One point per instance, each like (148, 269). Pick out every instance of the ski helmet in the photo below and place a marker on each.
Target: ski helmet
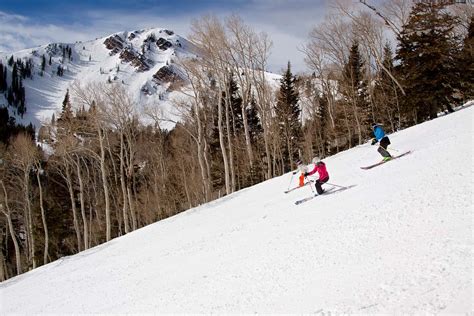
(316, 159)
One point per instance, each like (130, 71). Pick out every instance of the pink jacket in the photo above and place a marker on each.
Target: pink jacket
(320, 168)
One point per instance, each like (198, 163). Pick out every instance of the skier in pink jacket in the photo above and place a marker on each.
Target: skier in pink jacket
(320, 168)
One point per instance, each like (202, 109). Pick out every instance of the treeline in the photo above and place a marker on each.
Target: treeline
(359, 79)
(12, 86)
(100, 173)
(15, 92)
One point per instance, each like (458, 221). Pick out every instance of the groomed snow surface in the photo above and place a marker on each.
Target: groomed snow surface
(399, 241)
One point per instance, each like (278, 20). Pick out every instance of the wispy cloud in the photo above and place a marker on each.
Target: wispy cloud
(20, 32)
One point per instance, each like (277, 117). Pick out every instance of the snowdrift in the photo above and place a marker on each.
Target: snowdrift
(399, 240)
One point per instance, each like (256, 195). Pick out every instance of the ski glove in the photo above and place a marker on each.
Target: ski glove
(374, 141)
(306, 174)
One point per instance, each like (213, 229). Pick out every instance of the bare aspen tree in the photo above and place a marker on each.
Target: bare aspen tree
(264, 92)
(119, 113)
(43, 212)
(3, 266)
(395, 13)
(210, 36)
(229, 136)
(190, 108)
(241, 42)
(316, 60)
(5, 209)
(92, 96)
(64, 165)
(85, 225)
(24, 158)
(370, 33)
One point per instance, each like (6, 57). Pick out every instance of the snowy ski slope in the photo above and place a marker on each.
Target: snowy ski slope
(399, 241)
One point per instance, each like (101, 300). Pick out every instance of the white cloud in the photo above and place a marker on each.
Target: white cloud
(19, 32)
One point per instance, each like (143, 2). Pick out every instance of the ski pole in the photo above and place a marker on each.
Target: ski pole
(291, 180)
(393, 149)
(310, 184)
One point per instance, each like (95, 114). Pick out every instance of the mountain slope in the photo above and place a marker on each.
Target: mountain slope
(142, 61)
(400, 240)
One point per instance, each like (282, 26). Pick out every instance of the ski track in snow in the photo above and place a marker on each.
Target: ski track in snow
(399, 241)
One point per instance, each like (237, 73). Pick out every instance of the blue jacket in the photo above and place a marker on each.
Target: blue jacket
(378, 132)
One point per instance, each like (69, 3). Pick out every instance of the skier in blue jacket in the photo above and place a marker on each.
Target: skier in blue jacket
(380, 136)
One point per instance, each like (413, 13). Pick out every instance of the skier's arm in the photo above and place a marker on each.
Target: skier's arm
(312, 171)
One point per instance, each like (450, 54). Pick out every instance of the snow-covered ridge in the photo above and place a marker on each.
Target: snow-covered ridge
(398, 241)
(142, 61)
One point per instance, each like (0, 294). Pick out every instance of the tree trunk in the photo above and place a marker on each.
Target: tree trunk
(73, 206)
(222, 143)
(105, 184)
(26, 183)
(123, 186)
(248, 143)
(11, 230)
(43, 217)
(83, 207)
(129, 155)
(201, 153)
(229, 141)
(267, 152)
(3, 268)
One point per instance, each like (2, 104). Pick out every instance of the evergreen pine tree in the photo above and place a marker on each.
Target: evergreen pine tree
(11, 61)
(2, 81)
(287, 112)
(235, 106)
(21, 99)
(14, 76)
(385, 92)
(356, 91)
(321, 120)
(66, 113)
(43, 63)
(10, 97)
(5, 78)
(50, 60)
(253, 120)
(427, 52)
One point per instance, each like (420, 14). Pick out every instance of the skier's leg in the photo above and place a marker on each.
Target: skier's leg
(319, 187)
(384, 142)
(384, 152)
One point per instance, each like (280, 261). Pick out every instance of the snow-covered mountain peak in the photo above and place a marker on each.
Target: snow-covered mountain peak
(142, 61)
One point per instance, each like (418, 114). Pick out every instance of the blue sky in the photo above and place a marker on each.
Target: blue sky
(28, 23)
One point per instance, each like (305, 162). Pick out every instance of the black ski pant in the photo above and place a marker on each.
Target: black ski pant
(319, 185)
(384, 142)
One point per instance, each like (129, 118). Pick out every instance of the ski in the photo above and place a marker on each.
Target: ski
(313, 196)
(292, 189)
(382, 162)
